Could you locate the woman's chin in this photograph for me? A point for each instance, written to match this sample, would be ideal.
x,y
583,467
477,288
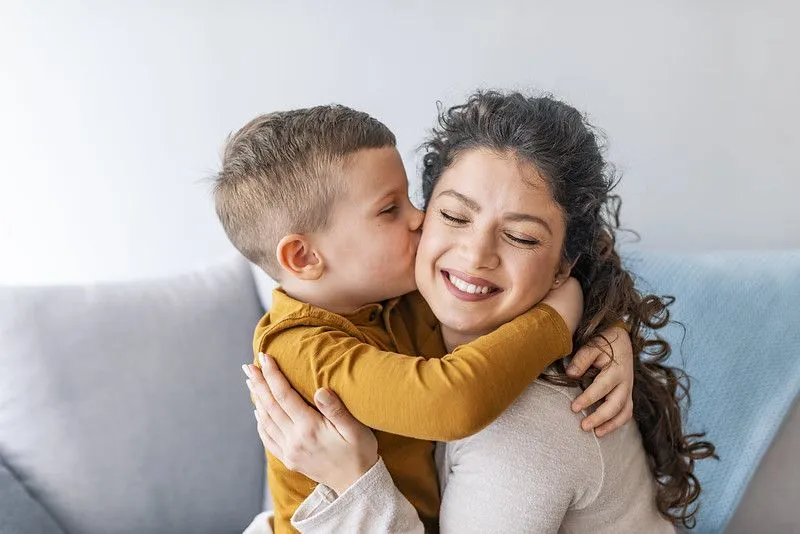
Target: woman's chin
x,y
464,326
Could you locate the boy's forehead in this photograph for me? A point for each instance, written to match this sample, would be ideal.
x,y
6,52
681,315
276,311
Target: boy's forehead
x,y
374,172
387,156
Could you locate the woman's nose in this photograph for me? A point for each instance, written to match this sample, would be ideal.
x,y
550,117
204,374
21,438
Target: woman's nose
x,y
479,251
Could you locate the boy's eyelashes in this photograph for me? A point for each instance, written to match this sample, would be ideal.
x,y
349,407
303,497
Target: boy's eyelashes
x,y
391,208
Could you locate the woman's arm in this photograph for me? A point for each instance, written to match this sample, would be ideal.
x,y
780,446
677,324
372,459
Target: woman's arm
x,y
356,492
372,504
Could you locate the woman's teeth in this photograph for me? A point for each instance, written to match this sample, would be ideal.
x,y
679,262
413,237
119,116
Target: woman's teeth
x,y
467,287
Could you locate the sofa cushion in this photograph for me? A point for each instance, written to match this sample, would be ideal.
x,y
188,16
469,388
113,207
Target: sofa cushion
x,y
123,406
19,512
741,346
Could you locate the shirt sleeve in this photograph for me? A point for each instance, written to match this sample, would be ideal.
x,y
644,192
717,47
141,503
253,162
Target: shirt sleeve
x,y
371,505
436,399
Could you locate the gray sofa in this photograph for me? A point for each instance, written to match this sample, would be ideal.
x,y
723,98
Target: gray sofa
x,y
123,408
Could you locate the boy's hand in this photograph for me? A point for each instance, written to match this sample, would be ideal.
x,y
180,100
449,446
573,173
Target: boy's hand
x,y
567,300
330,446
614,383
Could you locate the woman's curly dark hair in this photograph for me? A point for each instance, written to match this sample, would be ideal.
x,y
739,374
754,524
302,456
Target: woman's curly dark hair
x,y
558,140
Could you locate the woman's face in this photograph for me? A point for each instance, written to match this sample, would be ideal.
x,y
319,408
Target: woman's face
x,y
491,243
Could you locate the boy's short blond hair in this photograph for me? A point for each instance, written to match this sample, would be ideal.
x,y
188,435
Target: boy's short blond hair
x,y
282,174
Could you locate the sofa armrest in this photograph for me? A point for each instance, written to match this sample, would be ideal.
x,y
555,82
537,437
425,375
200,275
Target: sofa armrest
x,y
20,513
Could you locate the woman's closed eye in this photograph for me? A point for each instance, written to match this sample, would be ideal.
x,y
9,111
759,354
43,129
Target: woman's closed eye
x,y
524,241
452,219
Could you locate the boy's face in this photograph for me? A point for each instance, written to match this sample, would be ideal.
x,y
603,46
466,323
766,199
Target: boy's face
x,y
371,244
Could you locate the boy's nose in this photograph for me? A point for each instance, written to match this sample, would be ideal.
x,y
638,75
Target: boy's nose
x,y
415,221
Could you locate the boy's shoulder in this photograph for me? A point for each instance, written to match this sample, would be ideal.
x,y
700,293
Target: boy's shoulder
x,y
290,320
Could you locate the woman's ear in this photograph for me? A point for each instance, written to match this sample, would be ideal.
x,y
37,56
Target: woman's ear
x,y
298,257
563,272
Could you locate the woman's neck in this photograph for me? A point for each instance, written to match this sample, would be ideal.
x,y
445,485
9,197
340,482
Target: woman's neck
x,y
453,338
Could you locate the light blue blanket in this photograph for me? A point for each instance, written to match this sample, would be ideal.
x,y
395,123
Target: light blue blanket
x,y
741,311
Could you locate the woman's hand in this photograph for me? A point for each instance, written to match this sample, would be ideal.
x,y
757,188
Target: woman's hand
x,y
614,382
330,447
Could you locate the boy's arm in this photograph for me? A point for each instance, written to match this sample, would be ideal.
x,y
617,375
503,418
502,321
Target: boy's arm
x,y
433,399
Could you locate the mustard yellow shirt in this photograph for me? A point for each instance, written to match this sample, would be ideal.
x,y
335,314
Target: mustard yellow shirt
x,y
387,362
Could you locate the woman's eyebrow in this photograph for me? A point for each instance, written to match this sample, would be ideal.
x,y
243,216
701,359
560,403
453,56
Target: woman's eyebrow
x,y
525,217
471,204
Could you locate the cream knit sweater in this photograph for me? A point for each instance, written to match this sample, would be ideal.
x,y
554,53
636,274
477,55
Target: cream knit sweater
x,y
533,470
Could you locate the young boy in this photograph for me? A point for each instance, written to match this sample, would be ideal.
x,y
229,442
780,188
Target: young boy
x,y
318,199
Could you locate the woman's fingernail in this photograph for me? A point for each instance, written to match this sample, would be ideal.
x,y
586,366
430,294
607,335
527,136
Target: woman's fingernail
x,y
324,397
261,359
572,370
249,384
246,370
255,413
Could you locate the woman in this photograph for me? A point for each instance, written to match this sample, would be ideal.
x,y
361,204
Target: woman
x,y
513,187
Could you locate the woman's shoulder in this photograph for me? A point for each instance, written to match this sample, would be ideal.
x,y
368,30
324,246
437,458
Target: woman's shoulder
x,y
538,438
539,420
544,399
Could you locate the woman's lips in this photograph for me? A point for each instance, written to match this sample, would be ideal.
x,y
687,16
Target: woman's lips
x,y
469,288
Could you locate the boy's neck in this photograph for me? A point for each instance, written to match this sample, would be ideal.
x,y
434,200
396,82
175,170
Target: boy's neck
x,y
316,299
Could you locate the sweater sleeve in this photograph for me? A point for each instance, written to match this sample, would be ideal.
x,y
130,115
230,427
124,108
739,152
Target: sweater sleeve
x,y
437,399
372,505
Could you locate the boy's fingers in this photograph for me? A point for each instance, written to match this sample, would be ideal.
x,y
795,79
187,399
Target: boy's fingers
x,y
614,404
598,389
332,407
587,356
289,400
615,422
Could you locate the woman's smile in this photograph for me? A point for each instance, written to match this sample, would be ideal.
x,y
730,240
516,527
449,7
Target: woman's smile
x,y
467,287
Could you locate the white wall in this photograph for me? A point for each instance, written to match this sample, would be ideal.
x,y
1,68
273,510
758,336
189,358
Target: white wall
x,y
112,114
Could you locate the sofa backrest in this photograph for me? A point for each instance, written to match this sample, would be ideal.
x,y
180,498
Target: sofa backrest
x,y
123,406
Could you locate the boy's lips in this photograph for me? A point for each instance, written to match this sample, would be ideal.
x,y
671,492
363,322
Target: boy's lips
x,y
467,287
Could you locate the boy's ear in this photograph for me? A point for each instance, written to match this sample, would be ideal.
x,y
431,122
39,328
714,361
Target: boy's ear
x,y
563,272
299,258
